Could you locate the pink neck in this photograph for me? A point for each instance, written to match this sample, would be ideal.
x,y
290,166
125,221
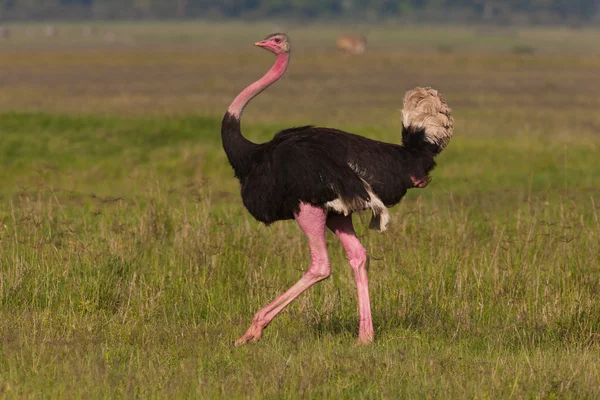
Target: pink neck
x,y
237,107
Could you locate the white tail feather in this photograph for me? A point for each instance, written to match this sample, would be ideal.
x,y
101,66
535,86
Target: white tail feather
x,y
424,108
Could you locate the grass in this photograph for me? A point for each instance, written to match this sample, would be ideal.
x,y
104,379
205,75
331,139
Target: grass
x,y
128,264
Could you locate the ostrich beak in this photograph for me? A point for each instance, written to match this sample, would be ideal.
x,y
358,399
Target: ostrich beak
x,y
260,44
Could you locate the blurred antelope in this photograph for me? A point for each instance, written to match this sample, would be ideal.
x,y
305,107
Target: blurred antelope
x,y
88,30
351,44
51,31
4,32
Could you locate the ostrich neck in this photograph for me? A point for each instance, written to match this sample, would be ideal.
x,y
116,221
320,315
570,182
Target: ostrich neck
x,y
239,150
237,107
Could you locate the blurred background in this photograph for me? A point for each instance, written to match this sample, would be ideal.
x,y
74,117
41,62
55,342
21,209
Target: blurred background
x,y
191,56
574,12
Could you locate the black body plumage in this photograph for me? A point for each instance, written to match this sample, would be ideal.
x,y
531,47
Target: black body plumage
x,y
318,165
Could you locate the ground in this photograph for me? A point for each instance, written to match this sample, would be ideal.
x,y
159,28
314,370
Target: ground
x,y
128,265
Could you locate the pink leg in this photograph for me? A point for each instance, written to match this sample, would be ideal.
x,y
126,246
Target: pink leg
x,y
312,221
359,260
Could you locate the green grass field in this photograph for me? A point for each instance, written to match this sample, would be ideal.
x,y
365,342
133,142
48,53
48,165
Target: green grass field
x,y
128,264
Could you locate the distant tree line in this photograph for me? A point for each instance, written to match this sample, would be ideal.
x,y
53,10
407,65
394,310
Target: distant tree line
x,y
498,11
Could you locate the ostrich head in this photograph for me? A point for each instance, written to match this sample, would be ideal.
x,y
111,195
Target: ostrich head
x,y
277,43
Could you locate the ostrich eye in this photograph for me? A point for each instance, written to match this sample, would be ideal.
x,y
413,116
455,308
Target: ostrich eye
x,y
277,40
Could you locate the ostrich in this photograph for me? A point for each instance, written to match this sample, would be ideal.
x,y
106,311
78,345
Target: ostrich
x,y
320,176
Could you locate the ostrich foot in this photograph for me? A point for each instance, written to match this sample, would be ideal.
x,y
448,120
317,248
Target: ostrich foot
x,y
366,333
253,334
365,339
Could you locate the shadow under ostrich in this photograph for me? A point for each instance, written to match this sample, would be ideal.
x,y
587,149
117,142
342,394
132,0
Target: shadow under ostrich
x,y
320,176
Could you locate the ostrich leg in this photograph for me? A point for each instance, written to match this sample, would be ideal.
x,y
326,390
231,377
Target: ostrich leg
x,y
359,260
312,221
